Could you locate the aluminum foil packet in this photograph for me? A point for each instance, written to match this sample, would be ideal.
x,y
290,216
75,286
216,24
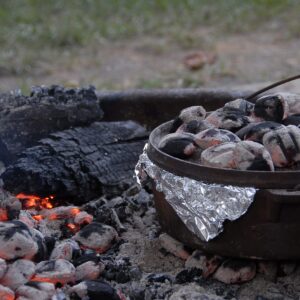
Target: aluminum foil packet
x,y
203,207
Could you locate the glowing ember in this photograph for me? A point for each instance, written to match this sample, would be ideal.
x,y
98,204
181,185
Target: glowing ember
x,y
3,215
75,211
38,217
72,227
33,201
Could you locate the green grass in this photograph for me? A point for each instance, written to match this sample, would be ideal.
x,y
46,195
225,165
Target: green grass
x,y
36,30
63,23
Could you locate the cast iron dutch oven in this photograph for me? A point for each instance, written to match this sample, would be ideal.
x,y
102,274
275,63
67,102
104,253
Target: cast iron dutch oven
x,y
270,229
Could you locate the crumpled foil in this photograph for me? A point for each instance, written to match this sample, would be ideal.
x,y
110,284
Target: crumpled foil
x,y
203,207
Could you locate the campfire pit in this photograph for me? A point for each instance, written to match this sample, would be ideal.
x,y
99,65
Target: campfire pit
x,y
108,245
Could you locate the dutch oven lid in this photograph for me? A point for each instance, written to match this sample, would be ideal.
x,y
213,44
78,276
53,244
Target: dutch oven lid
x,y
257,179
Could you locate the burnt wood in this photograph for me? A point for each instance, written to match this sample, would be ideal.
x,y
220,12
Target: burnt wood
x,y
26,119
81,163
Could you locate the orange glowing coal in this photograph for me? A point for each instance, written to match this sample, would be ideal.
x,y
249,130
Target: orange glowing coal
x,y
33,201
75,211
72,226
38,217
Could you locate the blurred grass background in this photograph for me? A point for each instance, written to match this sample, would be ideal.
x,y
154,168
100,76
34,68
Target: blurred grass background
x,y
35,32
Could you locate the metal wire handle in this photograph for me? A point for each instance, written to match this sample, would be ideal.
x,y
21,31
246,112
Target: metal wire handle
x,y
272,86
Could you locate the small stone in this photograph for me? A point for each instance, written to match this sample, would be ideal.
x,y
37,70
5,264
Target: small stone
x,y
89,270
18,273
235,271
268,269
16,241
96,236
6,293
173,246
205,262
36,290
55,271
197,60
94,290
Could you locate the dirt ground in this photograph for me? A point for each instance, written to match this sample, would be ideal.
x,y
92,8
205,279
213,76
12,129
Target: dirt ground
x,y
242,61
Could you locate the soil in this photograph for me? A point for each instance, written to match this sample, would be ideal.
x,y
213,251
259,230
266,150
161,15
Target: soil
x,y
242,61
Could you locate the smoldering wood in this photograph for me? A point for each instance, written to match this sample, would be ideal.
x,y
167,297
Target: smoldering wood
x,y
79,164
26,119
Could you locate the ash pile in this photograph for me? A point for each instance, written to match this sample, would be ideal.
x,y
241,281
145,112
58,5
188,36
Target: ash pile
x,y
114,249
92,233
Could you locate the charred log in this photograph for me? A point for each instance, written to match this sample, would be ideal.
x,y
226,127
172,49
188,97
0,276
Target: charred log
x,y
80,163
26,119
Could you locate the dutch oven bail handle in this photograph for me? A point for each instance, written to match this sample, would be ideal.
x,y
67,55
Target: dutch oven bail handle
x,y
273,85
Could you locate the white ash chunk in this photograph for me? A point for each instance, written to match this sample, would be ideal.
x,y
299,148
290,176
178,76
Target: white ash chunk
x,y
96,236
215,136
94,290
10,203
18,273
219,156
194,126
60,212
192,113
83,218
55,271
65,250
6,293
173,246
3,268
36,290
179,145
235,271
27,218
250,155
193,292
205,262
284,145
51,227
244,155
42,252
89,270
229,118
16,241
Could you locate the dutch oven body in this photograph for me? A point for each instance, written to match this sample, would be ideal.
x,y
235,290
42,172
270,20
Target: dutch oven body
x,y
270,229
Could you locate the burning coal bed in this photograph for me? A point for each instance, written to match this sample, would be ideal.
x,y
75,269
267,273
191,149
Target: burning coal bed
x,y
110,247
113,249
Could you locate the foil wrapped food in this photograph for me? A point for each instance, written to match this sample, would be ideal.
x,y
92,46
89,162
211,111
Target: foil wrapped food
x,y
203,207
